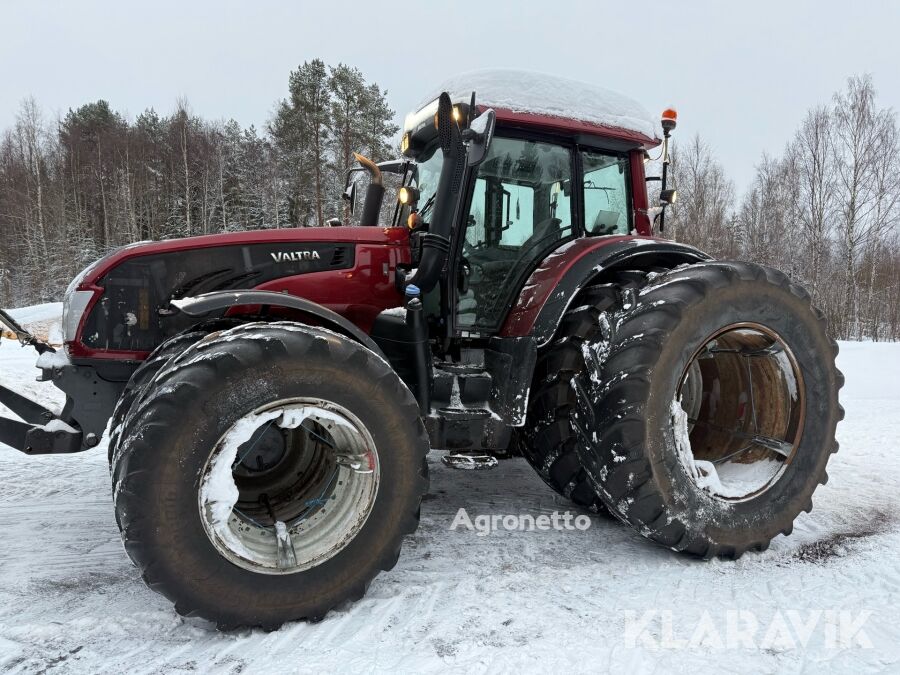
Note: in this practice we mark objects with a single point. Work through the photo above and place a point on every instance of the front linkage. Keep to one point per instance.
(40, 431)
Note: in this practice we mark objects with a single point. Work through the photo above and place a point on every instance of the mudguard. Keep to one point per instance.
(562, 274)
(202, 305)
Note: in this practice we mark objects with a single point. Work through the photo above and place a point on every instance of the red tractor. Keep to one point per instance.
(271, 396)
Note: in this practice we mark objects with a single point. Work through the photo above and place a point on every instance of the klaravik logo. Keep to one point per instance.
(294, 256)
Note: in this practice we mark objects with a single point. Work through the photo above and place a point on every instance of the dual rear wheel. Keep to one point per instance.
(699, 405)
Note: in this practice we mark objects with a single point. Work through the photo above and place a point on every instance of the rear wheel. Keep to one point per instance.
(709, 423)
(547, 440)
(268, 474)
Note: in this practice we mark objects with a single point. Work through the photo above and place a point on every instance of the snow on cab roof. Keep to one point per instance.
(522, 91)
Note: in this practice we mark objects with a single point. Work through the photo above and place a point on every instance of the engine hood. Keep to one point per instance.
(285, 240)
(124, 300)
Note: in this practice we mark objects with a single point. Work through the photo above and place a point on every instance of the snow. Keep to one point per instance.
(55, 425)
(57, 359)
(294, 417)
(219, 493)
(47, 311)
(733, 479)
(70, 601)
(395, 311)
(682, 439)
(539, 93)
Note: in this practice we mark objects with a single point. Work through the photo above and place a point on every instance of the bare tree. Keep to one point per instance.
(816, 189)
(702, 216)
(866, 165)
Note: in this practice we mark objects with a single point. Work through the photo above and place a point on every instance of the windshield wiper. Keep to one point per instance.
(427, 205)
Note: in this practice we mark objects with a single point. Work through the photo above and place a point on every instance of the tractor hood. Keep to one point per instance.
(122, 303)
(287, 239)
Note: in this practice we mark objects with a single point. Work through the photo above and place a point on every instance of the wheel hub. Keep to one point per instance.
(738, 412)
(289, 486)
(265, 449)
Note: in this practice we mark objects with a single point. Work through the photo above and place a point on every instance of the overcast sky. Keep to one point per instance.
(740, 74)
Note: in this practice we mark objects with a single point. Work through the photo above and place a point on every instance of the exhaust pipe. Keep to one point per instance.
(374, 193)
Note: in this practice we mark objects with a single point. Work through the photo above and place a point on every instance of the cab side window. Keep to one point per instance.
(607, 203)
(521, 208)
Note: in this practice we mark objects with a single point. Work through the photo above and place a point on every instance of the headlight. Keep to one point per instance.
(408, 195)
(75, 302)
(74, 305)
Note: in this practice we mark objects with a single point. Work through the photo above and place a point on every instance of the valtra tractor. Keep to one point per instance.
(270, 396)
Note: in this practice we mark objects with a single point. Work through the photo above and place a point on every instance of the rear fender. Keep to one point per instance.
(555, 283)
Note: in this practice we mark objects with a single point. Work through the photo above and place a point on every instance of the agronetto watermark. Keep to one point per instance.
(485, 524)
(744, 629)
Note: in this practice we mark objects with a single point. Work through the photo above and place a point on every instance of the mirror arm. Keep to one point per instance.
(667, 130)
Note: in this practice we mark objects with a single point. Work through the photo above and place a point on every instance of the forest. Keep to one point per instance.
(73, 188)
(825, 211)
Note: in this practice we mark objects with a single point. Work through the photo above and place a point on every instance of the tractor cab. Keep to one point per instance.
(509, 179)
(559, 166)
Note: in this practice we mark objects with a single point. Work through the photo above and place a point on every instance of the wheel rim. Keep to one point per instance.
(738, 412)
(289, 485)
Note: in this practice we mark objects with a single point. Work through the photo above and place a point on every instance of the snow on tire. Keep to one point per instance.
(268, 474)
(709, 423)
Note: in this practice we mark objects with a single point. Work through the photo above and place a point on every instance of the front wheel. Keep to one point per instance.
(711, 421)
(268, 474)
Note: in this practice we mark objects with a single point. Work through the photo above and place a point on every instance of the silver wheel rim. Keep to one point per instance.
(289, 486)
(738, 412)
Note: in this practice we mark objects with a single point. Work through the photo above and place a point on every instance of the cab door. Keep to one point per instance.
(521, 208)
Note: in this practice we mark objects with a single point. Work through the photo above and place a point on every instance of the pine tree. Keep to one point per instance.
(348, 92)
(301, 131)
(379, 124)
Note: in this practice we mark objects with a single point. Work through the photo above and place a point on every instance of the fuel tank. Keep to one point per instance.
(126, 295)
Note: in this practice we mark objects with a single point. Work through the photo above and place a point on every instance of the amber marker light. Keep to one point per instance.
(669, 119)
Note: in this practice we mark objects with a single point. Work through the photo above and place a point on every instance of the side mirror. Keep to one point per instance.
(479, 136)
(668, 197)
(349, 195)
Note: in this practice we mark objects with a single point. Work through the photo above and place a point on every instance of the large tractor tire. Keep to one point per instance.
(711, 417)
(547, 440)
(268, 473)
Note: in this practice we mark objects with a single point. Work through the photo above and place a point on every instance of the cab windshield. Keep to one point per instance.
(424, 175)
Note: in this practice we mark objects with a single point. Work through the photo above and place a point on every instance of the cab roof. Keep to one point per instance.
(530, 99)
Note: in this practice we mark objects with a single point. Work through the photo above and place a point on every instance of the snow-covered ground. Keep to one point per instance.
(571, 601)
